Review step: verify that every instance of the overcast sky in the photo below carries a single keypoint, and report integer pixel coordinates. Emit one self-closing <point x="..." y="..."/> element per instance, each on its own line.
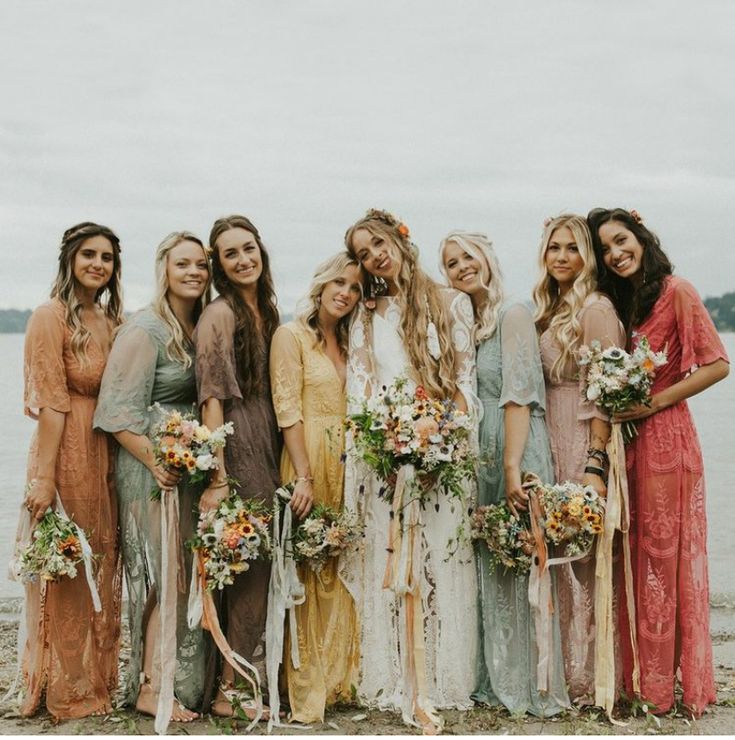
<point x="153" y="117"/>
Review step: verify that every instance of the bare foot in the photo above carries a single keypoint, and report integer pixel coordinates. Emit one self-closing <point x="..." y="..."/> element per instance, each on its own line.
<point x="222" y="707"/>
<point x="148" y="704"/>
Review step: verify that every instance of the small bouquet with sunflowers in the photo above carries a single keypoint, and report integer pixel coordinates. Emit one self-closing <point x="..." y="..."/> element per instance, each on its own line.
<point x="617" y="380"/>
<point x="231" y="537"/>
<point x="182" y="442"/>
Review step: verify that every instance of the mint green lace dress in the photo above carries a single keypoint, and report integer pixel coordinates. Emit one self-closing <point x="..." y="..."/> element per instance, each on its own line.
<point x="138" y="374"/>
<point x="509" y="371"/>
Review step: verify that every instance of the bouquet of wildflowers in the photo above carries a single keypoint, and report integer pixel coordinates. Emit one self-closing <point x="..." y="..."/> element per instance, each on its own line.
<point x="230" y="537"/>
<point x="324" y="534"/>
<point x="507" y="536"/>
<point x="396" y="427"/>
<point x="181" y="442"/>
<point x="572" y="514"/>
<point x="617" y="380"/>
<point x="53" y="552"/>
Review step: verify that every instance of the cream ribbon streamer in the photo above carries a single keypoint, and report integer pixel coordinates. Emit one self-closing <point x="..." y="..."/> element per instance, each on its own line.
<point x="201" y="608"/>
<point x="285" y="593"/>
<point x="617" y="518"/>
<point x="402" y="576"/>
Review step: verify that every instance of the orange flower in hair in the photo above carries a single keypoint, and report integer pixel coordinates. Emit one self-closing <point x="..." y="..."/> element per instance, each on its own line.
<point x="403" y="231"/>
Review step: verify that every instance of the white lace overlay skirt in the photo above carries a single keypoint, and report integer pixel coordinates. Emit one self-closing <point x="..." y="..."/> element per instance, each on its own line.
<point x="449" y="603"/>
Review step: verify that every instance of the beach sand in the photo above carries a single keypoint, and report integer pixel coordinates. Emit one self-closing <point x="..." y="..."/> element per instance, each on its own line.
<point x="352" y="720"/>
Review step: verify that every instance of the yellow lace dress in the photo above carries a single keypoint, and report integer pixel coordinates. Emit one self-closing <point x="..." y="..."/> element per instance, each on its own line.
<point x="306" y="387"/>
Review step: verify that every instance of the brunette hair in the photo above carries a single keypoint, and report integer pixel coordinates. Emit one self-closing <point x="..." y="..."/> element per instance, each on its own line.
<point x="176" y="347"/>
<point x="109" y="296"/>
<point x="308" y="309"/>
<point x="249" y="341"/>
<point x="556" y="312"/>
<point x="633" y="303"/>
<point x="422" y="303"/>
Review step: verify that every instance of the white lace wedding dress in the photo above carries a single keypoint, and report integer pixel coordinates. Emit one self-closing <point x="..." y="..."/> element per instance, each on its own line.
<point x="448" y="582"/>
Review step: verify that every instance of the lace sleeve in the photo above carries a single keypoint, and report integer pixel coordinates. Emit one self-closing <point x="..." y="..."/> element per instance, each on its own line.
<point x="127" y="383"/>
<point x="359" y="360"/>
<point x="216" y="366"/>
<point x="522" y="374"/>
<point x="461" y="320"/>
<point x="599" y="321"/>
<point x="287" y="376"/>
<point x="44" y="371"/>
<point x="700" y="342"/>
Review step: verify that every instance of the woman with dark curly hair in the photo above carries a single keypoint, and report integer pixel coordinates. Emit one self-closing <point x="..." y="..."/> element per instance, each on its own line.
<point x="665" y="470"/>
<point x="232" y="340"/>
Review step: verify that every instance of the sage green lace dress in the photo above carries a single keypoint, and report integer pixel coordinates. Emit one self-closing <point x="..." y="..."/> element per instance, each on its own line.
<point x="139" y="374"/>
<point x="509" y="371"/>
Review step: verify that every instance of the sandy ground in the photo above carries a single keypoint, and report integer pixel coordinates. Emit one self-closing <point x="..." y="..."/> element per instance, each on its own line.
<point x="352" y="720"/>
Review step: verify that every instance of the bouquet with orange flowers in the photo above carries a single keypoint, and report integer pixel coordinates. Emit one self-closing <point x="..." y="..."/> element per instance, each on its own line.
<point x="54" y="551"/>
<point x="230" y="537"/>
<point x="396" y="428"/>
<point x="182" y="442"/>
<point x="572" y="514"/>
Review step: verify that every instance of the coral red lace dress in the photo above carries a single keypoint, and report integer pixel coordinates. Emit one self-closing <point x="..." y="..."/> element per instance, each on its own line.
<point x="668" y="518"/>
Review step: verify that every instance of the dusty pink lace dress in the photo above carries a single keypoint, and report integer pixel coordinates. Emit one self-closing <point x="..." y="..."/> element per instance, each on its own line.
<point x="668" y="518"/>
<point x="568" y="418"/>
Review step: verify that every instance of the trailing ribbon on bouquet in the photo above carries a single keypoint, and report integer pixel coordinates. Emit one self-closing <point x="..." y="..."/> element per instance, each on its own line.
<point x="201" y="608"/>
<point x="402" y="576"/>
<point x="617" y="517"/>
<point x="285" y="593"/>
<point x="540" y="597"/>
<point x="25" y="532"/>
<point x="168" y="606"/>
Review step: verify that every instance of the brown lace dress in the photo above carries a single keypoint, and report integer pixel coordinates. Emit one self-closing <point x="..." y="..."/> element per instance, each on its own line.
<point x="251" y="456"/>
<point x="71" y="652"/>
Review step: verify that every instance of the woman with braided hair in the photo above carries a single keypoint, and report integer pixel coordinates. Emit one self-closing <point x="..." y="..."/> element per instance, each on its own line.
<point x="71" y="651"/>
<point x="664" y="461"/>
<point x="418" y="646"/>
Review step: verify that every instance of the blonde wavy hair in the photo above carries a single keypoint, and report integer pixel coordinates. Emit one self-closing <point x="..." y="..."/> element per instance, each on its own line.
<point x="480" y="247"/>
<point x="308" y="308"/>
<point x="177" y="345"/>
<point x="559" y="313"/>
<point x="421" y="303"/>
<point x="108" y="297"/>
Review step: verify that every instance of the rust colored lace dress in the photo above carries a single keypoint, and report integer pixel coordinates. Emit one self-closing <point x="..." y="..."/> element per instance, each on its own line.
<point x="568" y="418"/>
<point x="251" y="456"/>
<point x="306" y="388"/>
<point x="668" y="517"/>
<point x="71" y="652"/>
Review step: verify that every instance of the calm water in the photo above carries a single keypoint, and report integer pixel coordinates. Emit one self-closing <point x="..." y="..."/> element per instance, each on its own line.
<point x="713" y="411"/>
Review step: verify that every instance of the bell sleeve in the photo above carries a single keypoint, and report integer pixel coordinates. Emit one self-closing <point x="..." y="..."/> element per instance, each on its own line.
<point x="44" y="372"/>
<point x="127" y="383"/>
<point x="216" y="365"/>
<point x="287" y="377"/>
<point x="522" y="373"/>
<point x="700" y="342"/>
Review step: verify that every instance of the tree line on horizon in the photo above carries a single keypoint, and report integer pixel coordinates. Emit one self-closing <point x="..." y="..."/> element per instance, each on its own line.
<point x="721" y="309"/>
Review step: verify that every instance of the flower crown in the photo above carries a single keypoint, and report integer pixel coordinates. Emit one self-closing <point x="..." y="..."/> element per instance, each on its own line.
<point x="376" y="214"/>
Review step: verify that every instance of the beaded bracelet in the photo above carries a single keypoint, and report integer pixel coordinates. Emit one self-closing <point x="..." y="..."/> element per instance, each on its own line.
<point x="600" y="455"/>
<point x="305" y="479"/>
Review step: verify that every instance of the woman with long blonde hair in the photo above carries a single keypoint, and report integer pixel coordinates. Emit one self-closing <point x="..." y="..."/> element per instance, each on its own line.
<point x="308" y="365"/>
<point x="152" y="362"/>
<point x="513" y="438"/>
<point x="570" y="312"/>
<point x="415" y="657"/>
<point x="71" y="651"/>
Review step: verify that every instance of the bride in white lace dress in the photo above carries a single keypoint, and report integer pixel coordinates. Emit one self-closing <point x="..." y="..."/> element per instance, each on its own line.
<point x="418" y="650"/>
